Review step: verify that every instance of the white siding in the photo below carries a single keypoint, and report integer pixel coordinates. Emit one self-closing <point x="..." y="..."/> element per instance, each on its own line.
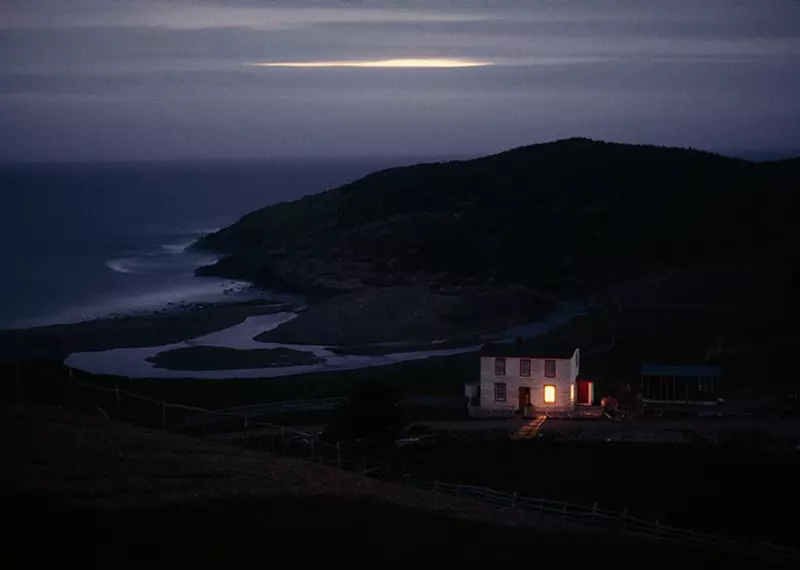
<point x="511" y="379"/>
<point x="566" y="373"/>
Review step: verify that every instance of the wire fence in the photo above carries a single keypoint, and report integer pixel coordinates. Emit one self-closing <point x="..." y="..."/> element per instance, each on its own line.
<point x="241" y="425"/>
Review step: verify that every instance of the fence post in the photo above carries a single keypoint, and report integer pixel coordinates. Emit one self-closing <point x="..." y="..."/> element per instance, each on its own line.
<point x="514" y="499"/>
<point x="338" y="455"/>
<point x="624" y="518"/>
<point x="163" y="416"/>
<point x="18" y="376"/>
<point x="658" y="529"/>
<point x="246" y="429"/>
<point x="311" y="445"/>
<point x="594" y="510"/>
<point x="564" y="512"/>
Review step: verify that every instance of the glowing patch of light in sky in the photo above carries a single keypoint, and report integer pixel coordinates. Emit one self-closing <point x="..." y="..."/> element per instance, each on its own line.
<point x="385" y="63"/>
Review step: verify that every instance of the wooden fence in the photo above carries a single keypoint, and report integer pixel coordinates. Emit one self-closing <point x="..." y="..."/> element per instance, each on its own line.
<point x="615" y="520"/>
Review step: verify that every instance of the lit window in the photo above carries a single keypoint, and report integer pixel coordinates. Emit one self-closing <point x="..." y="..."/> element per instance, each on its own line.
<point x="549" y="394"/>
<point x="500" y="392"/>
<point x="525" y="367"/>
<point x="550" y="368"/>
<point x="499" y="366"/>
<point x="572" y="392"/>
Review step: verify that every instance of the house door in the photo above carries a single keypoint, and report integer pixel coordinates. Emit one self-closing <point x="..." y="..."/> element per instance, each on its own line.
<point x="524" y="398"/>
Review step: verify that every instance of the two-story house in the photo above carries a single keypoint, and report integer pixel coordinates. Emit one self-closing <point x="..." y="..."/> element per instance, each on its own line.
<point x="528" y="377"/>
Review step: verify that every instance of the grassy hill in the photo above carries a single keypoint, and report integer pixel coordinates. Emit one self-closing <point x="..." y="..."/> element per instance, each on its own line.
<point x="562" y="216"/>
<point x="82" y="490"/>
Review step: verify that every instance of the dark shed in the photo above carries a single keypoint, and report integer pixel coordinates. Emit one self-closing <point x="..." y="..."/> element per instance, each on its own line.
<point x="680" y="384"/>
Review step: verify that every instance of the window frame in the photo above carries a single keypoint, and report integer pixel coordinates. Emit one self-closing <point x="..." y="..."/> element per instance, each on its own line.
<point x="500" y="367"/>
<point x="521" y="371"/>
<point x="500" y="387"/>
<point x="544" y="393"/>
<point x="547" y="363"/>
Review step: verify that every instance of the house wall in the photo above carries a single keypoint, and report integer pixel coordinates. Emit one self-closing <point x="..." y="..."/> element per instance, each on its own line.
<point x="566" y="373"/>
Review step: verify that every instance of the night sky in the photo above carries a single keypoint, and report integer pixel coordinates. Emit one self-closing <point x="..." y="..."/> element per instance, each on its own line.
<point x="162" y="79"/>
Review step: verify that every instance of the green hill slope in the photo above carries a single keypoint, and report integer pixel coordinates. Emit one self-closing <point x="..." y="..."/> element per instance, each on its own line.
<point x="566" y="215"/>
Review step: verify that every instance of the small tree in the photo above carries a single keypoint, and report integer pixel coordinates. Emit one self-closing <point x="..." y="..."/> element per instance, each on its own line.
<point x="372" y="413"/>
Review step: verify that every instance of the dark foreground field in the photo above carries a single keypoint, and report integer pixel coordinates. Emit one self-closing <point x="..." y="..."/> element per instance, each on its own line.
<point x="300" y="530"/>
<point x="747" y="491"/>
<point x="78" y="488"/>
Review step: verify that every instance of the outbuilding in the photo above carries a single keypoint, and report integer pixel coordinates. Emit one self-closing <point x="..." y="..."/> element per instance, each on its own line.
<point x="687" y="385"/>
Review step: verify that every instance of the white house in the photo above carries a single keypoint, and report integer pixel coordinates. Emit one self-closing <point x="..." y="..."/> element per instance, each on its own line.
<point x="526" y="378"/>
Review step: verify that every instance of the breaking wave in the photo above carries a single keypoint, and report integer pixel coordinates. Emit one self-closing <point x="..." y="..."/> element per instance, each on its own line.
<point x="119" y="265"/>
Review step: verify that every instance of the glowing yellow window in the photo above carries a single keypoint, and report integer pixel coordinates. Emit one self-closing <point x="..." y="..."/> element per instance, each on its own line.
<point x="549" y="394"/>
<point x="572" y="392"/>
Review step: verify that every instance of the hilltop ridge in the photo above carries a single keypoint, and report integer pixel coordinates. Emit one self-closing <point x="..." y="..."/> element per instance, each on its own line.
<point x="562" y="215"/>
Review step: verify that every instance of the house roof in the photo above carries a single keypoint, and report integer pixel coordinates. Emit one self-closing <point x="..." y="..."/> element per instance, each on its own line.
<point x="529" y="349"/>
<point x="671" y="370"/>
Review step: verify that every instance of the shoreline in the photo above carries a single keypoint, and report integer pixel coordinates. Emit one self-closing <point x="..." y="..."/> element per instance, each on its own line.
<point x="169" y="325"/>
<point x="248" y="331"/>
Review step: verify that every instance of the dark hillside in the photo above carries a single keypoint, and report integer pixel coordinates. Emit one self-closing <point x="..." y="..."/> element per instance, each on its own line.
<point x="569" y="214"/>
<point x="76" y="488"/>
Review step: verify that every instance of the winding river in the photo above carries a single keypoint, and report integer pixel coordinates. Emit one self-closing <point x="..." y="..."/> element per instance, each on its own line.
<point x="132" y="362"/>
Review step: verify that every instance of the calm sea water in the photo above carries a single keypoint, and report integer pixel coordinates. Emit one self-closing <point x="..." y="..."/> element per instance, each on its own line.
<point x="83" y="241"/>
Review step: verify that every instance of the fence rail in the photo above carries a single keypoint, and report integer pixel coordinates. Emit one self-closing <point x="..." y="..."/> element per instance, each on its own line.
<point x="616" y="520"/>
<point x="285" y="406"/>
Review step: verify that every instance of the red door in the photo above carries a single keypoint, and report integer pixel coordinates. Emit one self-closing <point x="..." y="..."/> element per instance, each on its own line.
<point x="584" y="392"/>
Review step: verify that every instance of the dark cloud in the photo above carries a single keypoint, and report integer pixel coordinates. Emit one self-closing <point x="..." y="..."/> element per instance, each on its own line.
<point x="154" y="79"/>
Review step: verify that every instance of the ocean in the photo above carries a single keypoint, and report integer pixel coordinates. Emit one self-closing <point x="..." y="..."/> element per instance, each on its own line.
<point x="81" y="241"/>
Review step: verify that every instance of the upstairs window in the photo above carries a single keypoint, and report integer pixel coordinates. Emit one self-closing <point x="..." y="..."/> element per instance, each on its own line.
<point x="525" y="367"/>
<point x="550" y="368"/>
<point x="549" y="394"/>
<point x="500" y="392"/>
<point x="499" y="366"/>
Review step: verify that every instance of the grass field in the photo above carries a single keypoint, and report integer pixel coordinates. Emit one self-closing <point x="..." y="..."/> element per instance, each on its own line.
<point x="77" y="488"/>
<point x="744" y="491"/>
